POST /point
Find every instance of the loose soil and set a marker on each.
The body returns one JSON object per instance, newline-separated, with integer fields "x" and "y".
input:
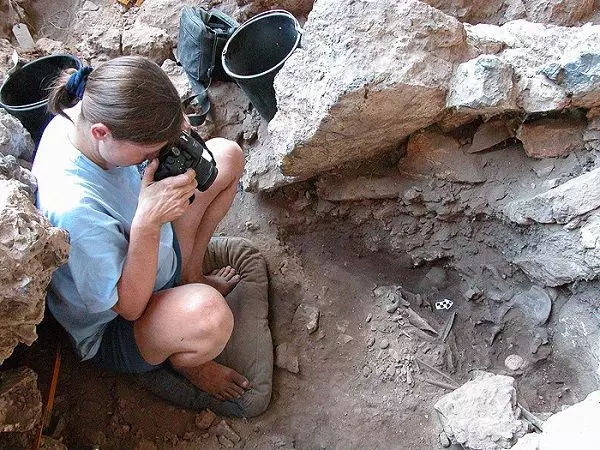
{"x": 352, "y": 390}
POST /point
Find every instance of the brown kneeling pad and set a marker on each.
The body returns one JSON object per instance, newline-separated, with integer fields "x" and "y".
{"x": 250, "y": 348}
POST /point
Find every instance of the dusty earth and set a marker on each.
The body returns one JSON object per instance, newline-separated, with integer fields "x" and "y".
{"x": 363, "y": 379}
{"x": 361, "y": 382}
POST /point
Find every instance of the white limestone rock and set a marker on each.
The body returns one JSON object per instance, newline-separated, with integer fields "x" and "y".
{"x": 30, "y": 250}
{"x": 15, "y": 140}
{"x": 482, "y": 413}
{"x": 574, "y": 428}
{"x": 144, "y": 40}
{"x": 484, "y": 84}
{"x": 558, "y": 205}
{"x": 334, "y": 108}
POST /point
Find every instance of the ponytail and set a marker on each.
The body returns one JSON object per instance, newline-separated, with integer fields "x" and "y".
{"x": 131, "y": 95}
{"x": 60, "y": 98}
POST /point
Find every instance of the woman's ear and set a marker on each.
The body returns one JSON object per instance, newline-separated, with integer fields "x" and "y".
{"x": 99, "y": 131}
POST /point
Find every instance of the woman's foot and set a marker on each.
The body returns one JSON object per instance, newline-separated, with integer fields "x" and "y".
{"x": 221, "y": 382}
{"x": 223, "y": 279}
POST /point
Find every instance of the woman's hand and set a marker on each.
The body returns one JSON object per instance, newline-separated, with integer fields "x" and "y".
{"x": 163, "y": 201}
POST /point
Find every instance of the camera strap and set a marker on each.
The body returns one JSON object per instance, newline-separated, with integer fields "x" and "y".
{"x": 192, "y": 104}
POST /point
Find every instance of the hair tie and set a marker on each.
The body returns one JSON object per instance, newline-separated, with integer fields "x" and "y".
{"x": 76, "y": 83}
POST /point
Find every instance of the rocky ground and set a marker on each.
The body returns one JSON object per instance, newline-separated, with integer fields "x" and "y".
{"x": 358, "y": 260}
{"x": 359, "y": 378}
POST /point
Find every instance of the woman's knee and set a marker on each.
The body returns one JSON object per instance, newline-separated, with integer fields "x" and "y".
{"x": 207, "y": 308}
{"x": 229, "y": 155}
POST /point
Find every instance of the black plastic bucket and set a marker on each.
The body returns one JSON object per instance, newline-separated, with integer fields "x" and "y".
{"x": 256, "y": 51}
{"x": 25, "y": 93}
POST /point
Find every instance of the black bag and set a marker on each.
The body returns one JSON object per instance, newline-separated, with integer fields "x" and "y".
{"x": 202, "y": 37}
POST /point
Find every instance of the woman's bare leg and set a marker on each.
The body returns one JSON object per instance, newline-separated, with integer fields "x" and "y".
{"x": 197, "y": 226}
{"x": 190, "y": 325}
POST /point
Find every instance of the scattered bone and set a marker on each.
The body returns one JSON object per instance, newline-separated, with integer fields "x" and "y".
{"x": 448, "y": 326}
{"x": 417, "y": 321}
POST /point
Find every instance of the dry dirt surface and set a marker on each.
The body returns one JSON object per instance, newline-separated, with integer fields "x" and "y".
{"x": 363, "y": 379}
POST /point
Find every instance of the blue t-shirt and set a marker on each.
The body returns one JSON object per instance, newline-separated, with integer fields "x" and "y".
{"x": 96, "y": 206}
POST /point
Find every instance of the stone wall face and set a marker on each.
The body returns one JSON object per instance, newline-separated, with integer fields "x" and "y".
{"x": 498, "y": 12}
{"x": 30, "y": 250}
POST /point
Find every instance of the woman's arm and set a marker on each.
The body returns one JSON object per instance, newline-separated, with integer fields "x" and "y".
{"x": 137, "y": 280}
{"x": 159, "y": 202}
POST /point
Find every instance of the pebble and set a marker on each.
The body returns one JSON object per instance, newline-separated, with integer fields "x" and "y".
{"x": 251, "y": 226}
{"x": 369, "y": 317}
{"x": 391, "y": 371}
{"x": 222, "y": 429}
{"x": 393, "y": 307}
{"x": 205, "y": 419}
{"x": 444, "y": 440}
{"x": 384, "y": 344}
{"x": 286, "y": 358}
{"x": 367, "y": 371}
{"x": 225, "y": 442}
{"x": 514, "y": 362}
{"x": 370, "y": 341}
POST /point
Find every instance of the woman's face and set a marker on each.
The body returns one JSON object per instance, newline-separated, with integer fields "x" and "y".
{"x": 123, "y": 153}
{"x": 120, "y": 153}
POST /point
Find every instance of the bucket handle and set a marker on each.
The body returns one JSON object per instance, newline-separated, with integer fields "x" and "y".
{"x": 297, "y": 26}
{"x": 17, "y": 64}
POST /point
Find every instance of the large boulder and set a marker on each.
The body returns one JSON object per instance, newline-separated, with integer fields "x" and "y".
{"x": 559, "y": 12}
{"x": 15, "y": 140}
{"x": 482, "y": 413}
{"x": 30, "y": 250}
{"x": 576, "y": 427}
{"x": 334, "y": 107}
{"x": 148, "y": 41}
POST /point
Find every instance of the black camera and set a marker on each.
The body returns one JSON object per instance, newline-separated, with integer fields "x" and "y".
{"x": 189, "y": 150}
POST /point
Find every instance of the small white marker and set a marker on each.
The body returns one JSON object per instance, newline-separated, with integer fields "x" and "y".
{"x": 23, "y": 36}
